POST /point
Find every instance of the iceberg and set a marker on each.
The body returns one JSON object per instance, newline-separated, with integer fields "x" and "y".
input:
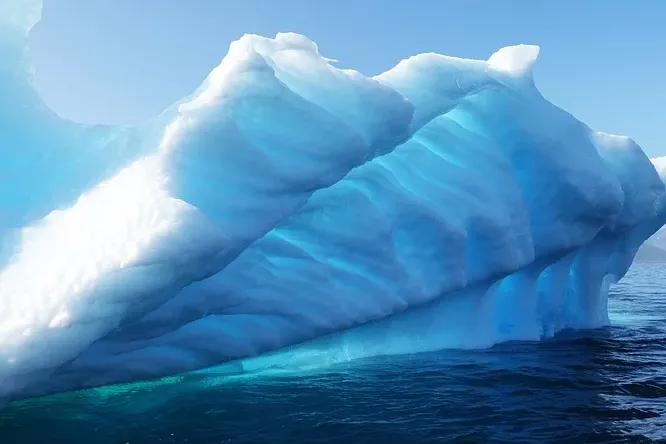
{"x": 290, "y": 214}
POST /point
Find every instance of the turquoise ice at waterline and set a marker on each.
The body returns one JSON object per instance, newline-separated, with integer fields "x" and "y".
{"x": 291, "y": 214}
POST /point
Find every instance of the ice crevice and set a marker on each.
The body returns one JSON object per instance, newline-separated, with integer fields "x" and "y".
{"x": 289, "y": 213}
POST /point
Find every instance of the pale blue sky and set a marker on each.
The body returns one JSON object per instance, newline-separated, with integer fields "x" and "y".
{"x": 112, "y": 61}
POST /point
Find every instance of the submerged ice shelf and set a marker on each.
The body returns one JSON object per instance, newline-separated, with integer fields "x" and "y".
{"x": 290, "y": 213}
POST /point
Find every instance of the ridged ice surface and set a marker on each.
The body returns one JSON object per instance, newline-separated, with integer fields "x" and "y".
{"x": 444, "y": 203}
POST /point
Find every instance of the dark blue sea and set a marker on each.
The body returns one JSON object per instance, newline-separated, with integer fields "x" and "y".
{"x": 603, "y": 386}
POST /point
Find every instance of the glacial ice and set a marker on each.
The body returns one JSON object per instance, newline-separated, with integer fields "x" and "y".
{"x": 289, "y": 213}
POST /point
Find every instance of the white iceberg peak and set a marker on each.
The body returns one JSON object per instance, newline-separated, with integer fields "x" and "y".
{"x": 518, "y": 59}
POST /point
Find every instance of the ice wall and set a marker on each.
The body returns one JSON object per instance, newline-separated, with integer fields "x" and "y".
{"x": 291, "y": 213}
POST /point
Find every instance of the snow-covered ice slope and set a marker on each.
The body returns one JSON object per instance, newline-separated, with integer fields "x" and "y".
{"x": 291, "y": 213}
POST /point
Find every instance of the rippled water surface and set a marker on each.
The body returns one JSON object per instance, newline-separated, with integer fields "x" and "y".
{"x": 602, "y": 386}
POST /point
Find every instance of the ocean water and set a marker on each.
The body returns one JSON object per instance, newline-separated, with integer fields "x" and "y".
{"x": 603, "y": 386}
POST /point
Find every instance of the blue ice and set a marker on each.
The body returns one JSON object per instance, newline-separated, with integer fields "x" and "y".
{"x": 289, "y": 213}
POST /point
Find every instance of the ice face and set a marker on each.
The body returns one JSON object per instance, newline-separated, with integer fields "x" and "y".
{"x": 292, "y": 213}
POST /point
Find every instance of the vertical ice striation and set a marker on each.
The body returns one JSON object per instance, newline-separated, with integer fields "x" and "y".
{"x": 291, "y": 213}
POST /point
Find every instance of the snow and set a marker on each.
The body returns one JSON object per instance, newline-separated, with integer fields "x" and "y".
{"x": 289, "y": 213}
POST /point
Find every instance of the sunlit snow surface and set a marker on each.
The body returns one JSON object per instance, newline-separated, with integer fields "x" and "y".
{"x": 444, "y": 203}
